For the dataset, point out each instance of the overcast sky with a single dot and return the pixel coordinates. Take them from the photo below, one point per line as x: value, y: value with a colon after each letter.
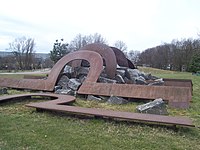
x: 140, y: 24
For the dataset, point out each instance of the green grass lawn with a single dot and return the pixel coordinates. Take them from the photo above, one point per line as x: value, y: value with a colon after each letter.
x: 25, y: 128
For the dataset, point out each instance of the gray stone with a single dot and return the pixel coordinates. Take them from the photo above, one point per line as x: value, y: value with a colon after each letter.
x: 68, y: 70
x: 121, y: 72
x: 3, y: 91
x: 116, y: 100
x: 73, y: 84
x: 94, y: 98
x: 154, y: 77
x: 106, y: 80
x: 63, y: 81
x: 119, y: 79
x: 66, y: 92
x: 155, y: 107
x: 156, y: 83
x: 132, y: 74
x: 104, y: 98
x: 140, y: 80
x: 57, y: 88
x: 81, y: 71
x: 146, y: 76
x: 128, y: 81
x: 82, y: 78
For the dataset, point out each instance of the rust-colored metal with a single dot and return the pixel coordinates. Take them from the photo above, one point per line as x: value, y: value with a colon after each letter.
x: 57, y: 105
x: 178, y: 97
x: 121, y: 58
x: 96, y: 66
x: 178, y: 82
x: 60, y: 103
x: 58, y: 98
x: 108, y: 55
x: 130, y: 64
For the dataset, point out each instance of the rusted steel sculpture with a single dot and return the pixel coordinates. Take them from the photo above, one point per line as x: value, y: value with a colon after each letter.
x: 177, y: 92
x: 177, y: 97
x: 58, y: 99
x: 57, y: 105
x: 96, y: 66
x: 107, y: 54
x: 61, y: 104
x: 121, y: 59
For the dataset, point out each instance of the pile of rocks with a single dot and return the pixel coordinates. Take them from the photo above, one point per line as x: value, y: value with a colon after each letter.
x: 71, y: 79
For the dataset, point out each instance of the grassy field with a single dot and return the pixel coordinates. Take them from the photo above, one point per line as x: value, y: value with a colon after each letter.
x: 25, y: 128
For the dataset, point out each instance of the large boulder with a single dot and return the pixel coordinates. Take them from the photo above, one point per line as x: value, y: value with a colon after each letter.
x: 157, y: 107
x: 140, y: 80
x: 81, y: 71
x: 73, y: 84
x: 121, y: 72
x: 132, y: 74
x: 119, y: 79
x: 68, y: 70
x: 94, y: 98
x: 66, y: 92
x: 106, y: 80
x: 63, y: 81
x: 116, y: 100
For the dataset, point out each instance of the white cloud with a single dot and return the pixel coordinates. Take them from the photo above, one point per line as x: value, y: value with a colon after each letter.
x: 140, y: 24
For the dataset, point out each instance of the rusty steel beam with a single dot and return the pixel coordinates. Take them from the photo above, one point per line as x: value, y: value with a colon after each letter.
x: 96, y: 66
x: 177, y: 97
x: 61, y: 102
x: 121, y: 59
x: 57, y: 105
x: 179, y: 83
x: 58, y: 98
x: 107, y: 54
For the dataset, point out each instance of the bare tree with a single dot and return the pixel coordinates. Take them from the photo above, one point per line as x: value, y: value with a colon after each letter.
x: 120, y: 45
x: 82, y: 40
x: 23, y: 50
x: 134, y: 56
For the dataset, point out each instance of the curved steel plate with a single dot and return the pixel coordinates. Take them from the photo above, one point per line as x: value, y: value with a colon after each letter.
x: 108, y: 55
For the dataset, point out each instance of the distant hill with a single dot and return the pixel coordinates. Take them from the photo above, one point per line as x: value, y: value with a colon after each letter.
x: 37, y: 55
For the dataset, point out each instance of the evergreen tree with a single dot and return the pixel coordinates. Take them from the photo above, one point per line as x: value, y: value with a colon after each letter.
x: 195, y: 63
x: 59, y: 50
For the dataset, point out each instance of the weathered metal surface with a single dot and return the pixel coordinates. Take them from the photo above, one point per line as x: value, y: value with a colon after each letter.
x: 179, y: 83
x: 178, y: 97
x: 58, y: 99
x: 106, y: 52
x: 121, y: 58
x: 60, y: 103
x: 58, y: 106
x: 96, y: 66
x: 95, y: 60
x: 130, y: 64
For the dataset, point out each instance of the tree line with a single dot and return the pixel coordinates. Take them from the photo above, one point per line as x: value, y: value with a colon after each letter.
x: 23, y: 51
x: 61, y: 48
x: 180, y: 55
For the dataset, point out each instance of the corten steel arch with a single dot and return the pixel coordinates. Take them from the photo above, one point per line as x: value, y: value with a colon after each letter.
x: 130, y: 64
x: 106, y: 52
x: 96, y: 66
x: 121, y: 58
